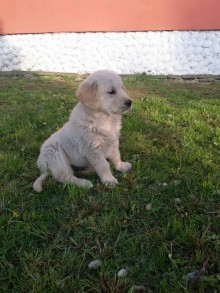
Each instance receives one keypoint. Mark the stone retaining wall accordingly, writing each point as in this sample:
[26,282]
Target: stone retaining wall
[173,52]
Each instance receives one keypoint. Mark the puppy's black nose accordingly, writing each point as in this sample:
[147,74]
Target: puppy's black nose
[128,103]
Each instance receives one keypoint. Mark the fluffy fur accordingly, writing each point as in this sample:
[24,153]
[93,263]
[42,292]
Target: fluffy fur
[91,136]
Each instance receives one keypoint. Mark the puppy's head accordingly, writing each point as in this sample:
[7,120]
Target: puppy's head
[103,91]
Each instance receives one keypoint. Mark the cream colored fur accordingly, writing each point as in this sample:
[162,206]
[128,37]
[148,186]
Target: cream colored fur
[90,137]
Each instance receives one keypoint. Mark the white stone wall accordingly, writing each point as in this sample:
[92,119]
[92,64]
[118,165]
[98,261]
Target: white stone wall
[173,52]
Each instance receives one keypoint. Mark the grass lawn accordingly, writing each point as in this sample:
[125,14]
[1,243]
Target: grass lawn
[161,223]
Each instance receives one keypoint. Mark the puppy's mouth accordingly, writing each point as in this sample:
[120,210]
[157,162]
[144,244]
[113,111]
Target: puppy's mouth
[121,108]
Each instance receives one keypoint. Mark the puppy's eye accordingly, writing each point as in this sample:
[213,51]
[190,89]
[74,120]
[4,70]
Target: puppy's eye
[112,92]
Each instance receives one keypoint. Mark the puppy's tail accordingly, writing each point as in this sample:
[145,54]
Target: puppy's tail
[38,184]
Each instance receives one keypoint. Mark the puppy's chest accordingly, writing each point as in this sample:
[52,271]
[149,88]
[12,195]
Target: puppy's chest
[108,131]
[105,134]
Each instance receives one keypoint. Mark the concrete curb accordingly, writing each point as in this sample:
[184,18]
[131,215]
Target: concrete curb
[186,78]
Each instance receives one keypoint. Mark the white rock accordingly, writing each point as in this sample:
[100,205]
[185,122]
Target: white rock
[177,201]
[175,182]
[122,273]
[94,264]
[216,49]
[148,207]
[207,44]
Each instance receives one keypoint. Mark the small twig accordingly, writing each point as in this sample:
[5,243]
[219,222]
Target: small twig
[181,156]
[214,212]
[200,272]
[205,232]
[187,183]
[117,239]
[170,255]
[99,245]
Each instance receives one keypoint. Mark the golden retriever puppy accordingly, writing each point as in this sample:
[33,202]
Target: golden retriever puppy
[91,136]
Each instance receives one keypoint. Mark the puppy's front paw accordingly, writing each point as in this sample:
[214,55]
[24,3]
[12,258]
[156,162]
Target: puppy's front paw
[110,181]
[125,167]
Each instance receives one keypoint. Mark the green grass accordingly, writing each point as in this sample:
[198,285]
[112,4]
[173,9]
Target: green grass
[47,240]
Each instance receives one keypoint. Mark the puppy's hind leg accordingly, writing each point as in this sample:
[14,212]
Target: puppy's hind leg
[80,182]
[39,182]
[65,175]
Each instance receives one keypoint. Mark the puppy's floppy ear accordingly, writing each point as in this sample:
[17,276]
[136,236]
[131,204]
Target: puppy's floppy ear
[87,94]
